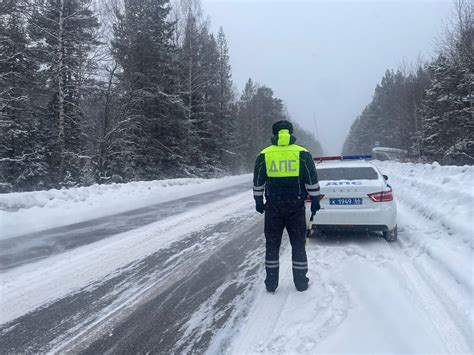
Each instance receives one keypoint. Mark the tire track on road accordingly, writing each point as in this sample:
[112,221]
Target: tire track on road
[434,302]
[76,320]
[160,323]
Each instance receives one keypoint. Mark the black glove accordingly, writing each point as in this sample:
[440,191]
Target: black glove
[315,206]
[259,205]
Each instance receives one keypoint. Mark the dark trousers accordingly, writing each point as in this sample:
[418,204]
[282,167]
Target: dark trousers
[278,216]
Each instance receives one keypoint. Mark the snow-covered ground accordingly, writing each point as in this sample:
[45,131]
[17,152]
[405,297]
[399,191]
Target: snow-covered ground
[365,296]
[27,212]
[369,296]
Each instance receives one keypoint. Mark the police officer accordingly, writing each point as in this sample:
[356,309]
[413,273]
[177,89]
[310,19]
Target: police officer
[286,175]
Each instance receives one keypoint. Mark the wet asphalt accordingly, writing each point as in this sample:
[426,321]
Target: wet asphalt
[30,247]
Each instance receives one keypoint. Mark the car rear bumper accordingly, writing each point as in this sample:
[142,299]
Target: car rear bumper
[384,218]
[352,228]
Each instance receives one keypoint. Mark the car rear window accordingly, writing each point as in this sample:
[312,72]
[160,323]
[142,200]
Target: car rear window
[362,173]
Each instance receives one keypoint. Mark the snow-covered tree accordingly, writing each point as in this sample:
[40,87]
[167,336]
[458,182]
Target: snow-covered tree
[428,112]
[226,119]
[447,113]
[21,158]
[391,119]
[149,128]
[63,34]
[145,94]
[447,118]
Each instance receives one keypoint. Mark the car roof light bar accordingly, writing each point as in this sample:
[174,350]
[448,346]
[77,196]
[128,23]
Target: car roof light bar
[356,157]
[334,157]
[344,157]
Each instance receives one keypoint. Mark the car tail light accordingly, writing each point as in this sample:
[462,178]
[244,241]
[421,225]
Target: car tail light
[383,196]
[308,199]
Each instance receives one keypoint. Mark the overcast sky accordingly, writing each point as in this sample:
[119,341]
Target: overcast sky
[324,58]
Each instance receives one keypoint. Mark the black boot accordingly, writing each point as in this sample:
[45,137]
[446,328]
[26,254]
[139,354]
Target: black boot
[271,282]
[302,287]
[301,283]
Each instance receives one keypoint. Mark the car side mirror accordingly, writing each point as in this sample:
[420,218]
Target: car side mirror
[385,177]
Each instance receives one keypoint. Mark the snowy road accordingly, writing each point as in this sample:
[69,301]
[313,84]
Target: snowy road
[192,282]
[146,304]
[26,248]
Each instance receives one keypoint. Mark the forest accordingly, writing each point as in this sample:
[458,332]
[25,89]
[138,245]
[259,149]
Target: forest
[427,111]
[123,90]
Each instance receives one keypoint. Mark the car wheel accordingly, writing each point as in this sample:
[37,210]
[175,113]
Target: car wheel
[391,236]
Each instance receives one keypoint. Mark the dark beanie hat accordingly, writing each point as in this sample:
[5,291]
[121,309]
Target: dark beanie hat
[284,124]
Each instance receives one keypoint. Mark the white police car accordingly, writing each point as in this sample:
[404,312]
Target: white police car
[354,196]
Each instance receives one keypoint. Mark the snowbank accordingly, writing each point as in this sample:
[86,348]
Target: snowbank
[27,212]
[436,228]
[440,193]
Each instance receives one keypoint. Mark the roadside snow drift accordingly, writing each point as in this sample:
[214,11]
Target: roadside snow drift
[441,193]
[27,212]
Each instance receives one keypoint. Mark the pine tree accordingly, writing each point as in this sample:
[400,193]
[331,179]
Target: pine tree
[390,119]
[448,126]
[226,120]
[149,129]
[207,113]
[160,104]
[64,33]
[447,113]
[200,93]
[428,112]
[246,119]
[21,159]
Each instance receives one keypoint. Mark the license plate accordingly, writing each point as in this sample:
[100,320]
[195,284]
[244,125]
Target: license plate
[345,201]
